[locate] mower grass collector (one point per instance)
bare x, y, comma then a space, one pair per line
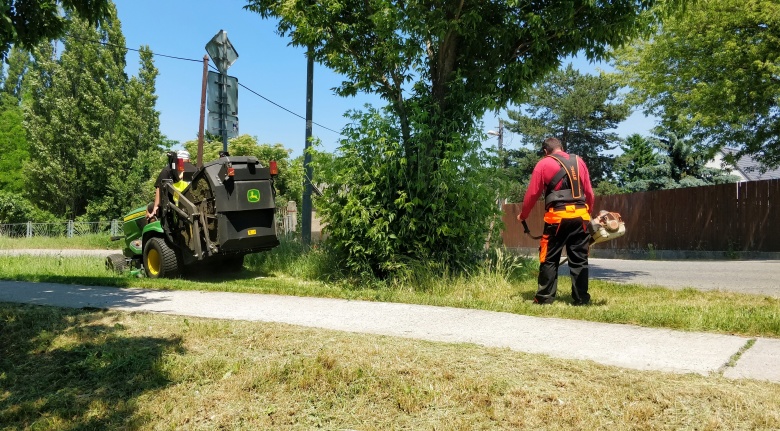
225, 211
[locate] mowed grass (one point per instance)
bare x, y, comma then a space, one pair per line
486, 289
66, 369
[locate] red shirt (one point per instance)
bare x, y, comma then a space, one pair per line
543, 173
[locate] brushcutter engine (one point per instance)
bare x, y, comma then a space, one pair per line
606, 226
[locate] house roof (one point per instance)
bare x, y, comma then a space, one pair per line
751, 169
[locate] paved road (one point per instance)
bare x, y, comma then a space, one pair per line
760, 277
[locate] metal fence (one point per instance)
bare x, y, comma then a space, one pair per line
67, 229
285, 223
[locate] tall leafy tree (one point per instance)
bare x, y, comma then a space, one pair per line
439, 65
578, 109
713, 73
18, 62
13, 144
13, 137
93, 132
26, 23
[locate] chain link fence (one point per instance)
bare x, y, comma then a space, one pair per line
286, 222
67, 229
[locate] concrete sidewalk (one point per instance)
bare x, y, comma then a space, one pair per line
619, 345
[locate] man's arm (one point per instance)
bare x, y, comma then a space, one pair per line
535, 189
156, 204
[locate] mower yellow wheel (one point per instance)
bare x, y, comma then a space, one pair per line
160, 260
153, 262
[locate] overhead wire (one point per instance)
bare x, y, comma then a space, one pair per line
212, 66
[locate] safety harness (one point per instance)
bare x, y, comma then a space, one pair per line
569, 201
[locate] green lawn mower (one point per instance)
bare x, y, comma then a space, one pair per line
225, 212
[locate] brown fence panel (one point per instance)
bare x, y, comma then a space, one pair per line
725, 217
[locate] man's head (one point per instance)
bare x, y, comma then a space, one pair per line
182, 157
550, 145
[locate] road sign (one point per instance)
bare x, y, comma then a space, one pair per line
214, 125
213, 94
221, 51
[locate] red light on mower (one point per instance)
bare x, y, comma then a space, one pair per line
273, 168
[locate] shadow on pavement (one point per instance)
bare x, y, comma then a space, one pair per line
85, 295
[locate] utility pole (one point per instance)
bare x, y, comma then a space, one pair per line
307, 170
201, 125
500, 135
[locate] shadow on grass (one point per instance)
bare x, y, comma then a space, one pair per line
62, 369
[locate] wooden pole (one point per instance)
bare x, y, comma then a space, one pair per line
202, 109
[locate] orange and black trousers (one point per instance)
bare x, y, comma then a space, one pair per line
570, 232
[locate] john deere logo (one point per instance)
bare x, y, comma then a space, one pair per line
253, 195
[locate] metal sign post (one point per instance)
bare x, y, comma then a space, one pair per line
224, 55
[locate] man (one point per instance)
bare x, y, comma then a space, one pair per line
568, 198
178, 165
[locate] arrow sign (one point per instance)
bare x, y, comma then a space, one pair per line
221, 51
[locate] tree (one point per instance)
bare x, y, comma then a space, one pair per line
94, 134
638, 157
14, 151
677, 162
579, 110
13, 145
28, 22
713, 73
18, 61
439, 65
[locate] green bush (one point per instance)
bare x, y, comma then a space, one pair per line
390, 207
14, 208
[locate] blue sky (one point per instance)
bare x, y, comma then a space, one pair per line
266, 64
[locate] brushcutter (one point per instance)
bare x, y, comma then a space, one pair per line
607, 226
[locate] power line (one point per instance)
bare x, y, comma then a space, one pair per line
136, 50
282, 107
212, 66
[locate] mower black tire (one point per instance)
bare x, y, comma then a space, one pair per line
160, 260
116, 263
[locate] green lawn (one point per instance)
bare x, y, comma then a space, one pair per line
67, 369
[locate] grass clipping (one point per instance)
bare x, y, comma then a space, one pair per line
81, 369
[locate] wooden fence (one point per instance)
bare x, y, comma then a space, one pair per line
729, 217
